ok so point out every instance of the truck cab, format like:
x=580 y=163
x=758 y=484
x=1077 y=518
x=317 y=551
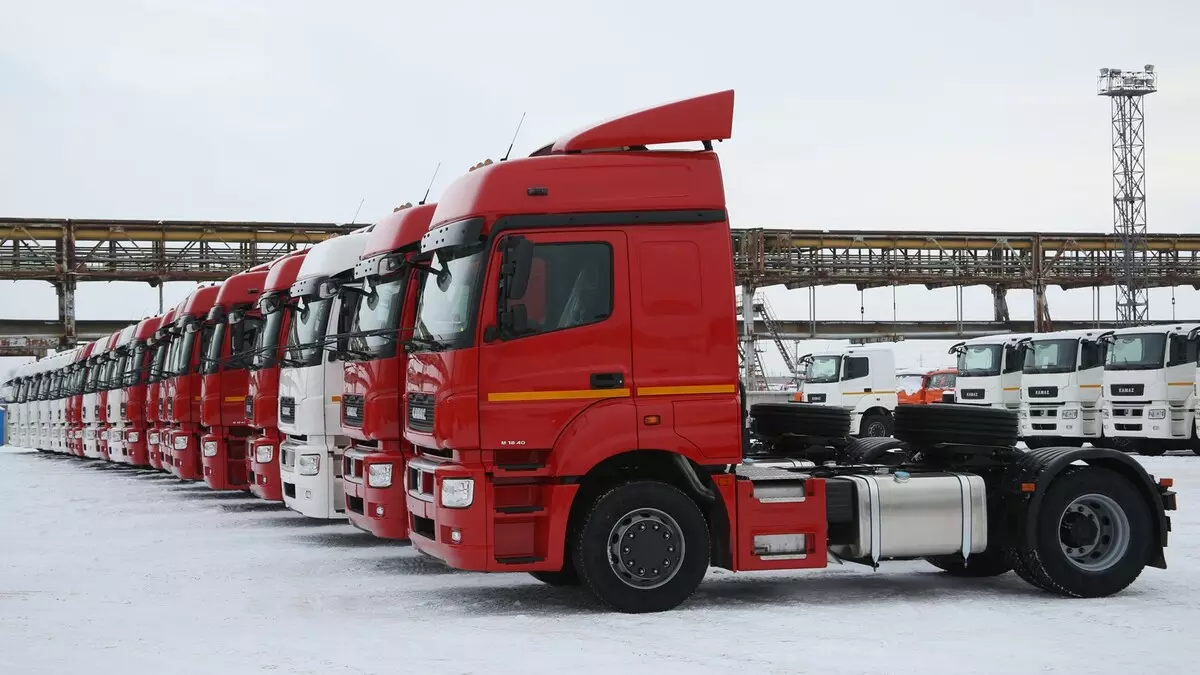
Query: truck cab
x=132 y=409
x=1062 y=388
x=1150 y=387
x=15 y=416
x=181 y=407
x=75 y=399
x=159 y=347
x=105 y=383
x=925 y=387
x=262 y=394
x=114 y=402
x=91 y=398
x=64 y=371
x=310 y=379
x=225 y=380
x=989 y=370
x=861 y=379
x=384 y=296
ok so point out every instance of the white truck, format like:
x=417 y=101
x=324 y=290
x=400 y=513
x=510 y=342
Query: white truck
x=1150 y=387
x=859 y=378
x=1062 y=388
x=90 y=412
x=310 y=381
x=115 y=401
x=989 y=370
x=58 y=406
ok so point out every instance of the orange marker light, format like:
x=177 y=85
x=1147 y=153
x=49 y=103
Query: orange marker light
x=1166 y=482
x=652 y=420
x=1028 y=487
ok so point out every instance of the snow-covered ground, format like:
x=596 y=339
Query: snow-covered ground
x=110 y=570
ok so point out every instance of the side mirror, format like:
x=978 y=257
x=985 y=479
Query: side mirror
x=328 y=289
x=269 y=304
x=236 y=316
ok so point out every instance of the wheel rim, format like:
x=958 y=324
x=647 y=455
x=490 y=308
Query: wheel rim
x=877 y=429
x=645 y=548
x=1093 y=532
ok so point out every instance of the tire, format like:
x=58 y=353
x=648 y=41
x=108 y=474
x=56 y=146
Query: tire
x=886 y=451
x=653 y=504
x=924 y=426
x=564 y=577
x=801 y=419
x=991 y=563
x=1089 y=572
x=875 y=425
x=1150 y=448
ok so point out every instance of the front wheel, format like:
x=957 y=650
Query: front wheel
x=875 y=425
x=643 y=547
x=1092 y=535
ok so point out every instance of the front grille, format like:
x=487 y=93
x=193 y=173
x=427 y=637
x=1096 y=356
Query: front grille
x=287 y=458
x=1043 y=412
x=250 y=407
x=1127 y=389
x=287 y=409
x=1045 y=427
x=1127 y=412
x=420 y=483
x=352 y=468
x=420 y=412
x=352 y=410
x=971 y=394
x=1043 y=392
x=1129 y=427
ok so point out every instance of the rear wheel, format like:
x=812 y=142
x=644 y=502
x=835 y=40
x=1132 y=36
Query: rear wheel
x=1092 y=535
x=643 y=547
x=875 y=425
x=564 y=577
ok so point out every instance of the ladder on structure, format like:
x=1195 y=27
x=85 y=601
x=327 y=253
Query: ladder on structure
x=768 y=316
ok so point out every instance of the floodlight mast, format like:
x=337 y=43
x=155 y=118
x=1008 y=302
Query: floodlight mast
x=1126 y=89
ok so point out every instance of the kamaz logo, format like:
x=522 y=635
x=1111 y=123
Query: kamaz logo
x=1041 y=392
x=1127 y=390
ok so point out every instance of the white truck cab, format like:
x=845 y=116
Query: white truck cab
x=116 y=397
x=15 y=413
x=1062 y=388
x=90 y=413
x=310 y=381
x=859 y=378
x=1150 y=387
x=989 y=370
x=58 y=407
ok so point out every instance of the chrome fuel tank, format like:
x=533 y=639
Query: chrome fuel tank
x=911 y=516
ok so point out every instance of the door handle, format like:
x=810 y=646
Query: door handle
x=607 y=380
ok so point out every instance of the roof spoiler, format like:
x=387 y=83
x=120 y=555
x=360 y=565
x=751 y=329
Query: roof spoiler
x=704 y=118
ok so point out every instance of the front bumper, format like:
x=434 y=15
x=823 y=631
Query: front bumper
x=137 y=451
x=91 y=443
x=184 y=454
x=264 y=476
x=1061 y=421
x=315 y=496
x=225 y=470
x=1134 y=421
x=382 y=511
x=154 y=437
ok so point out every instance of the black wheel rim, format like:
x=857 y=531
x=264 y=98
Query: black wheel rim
x=877 y=429
x=645 y=548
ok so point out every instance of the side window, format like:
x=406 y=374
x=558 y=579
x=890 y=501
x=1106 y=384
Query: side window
x=347 y=309
x=1182 y=351
x=245 y=335
x=570 y=285
x=856 y=367
x=1014 y=358
x=1091 y=354
x=942 y=381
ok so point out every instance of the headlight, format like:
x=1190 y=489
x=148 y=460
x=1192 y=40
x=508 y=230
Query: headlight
x=262 y=454
x=153 y=440
x=379 y=475
x=1157 y=414
x=181 y=442
x=458 y=493
x=308 y=465
x=1070 y=414
x=209 y=448
x=133 y=437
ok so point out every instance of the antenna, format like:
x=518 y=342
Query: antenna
x=435 y=170
x=360 y=203
x=514 y=138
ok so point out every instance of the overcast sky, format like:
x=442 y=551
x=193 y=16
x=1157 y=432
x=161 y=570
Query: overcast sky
x=871 y=115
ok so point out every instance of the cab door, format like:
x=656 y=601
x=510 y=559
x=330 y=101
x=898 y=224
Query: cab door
x=575 y=349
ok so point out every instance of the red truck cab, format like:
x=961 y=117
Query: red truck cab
x=181 y=406
x=234 y=321
x=106 y=381
x=159 y=345
x=133 y=410
x=262 y=397
x=373 y=373
x=79 y=373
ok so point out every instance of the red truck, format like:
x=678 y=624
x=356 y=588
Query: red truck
x=373 y=373
x=234 y=322
x=133 y=410
x=156 y=426
x=79 y=375
x=262 y=396
x=575 y=412
x=105 y=382
x=181 y=388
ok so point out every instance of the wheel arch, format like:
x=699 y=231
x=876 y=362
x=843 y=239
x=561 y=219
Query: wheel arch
x=1042 y=466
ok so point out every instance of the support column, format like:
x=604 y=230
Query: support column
x=1000 y=304
x=748 y=336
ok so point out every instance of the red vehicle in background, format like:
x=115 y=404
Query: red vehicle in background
x=105 y=382
x=133 y=410
x=234 y=322
x=935 y=386
x=79 y=373
x=262 y=397
x=159 y=346
x=373 y=373
x=181 y=404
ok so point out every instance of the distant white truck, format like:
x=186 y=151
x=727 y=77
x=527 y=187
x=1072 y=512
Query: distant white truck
x=859 y=378
x=989 y=370
x=1062 y=388
x=1150 y=387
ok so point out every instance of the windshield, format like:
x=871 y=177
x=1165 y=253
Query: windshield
x=443 y=315
x=158 y=362
x=823 y=369
x=373 y=330
x=211 y=344
x=306 y=335
x=266 y=341
x=133 y=367
x=93 y=374
x=1142 y=351
x=1051 y=356
x=179 y=361
x=979 y=361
